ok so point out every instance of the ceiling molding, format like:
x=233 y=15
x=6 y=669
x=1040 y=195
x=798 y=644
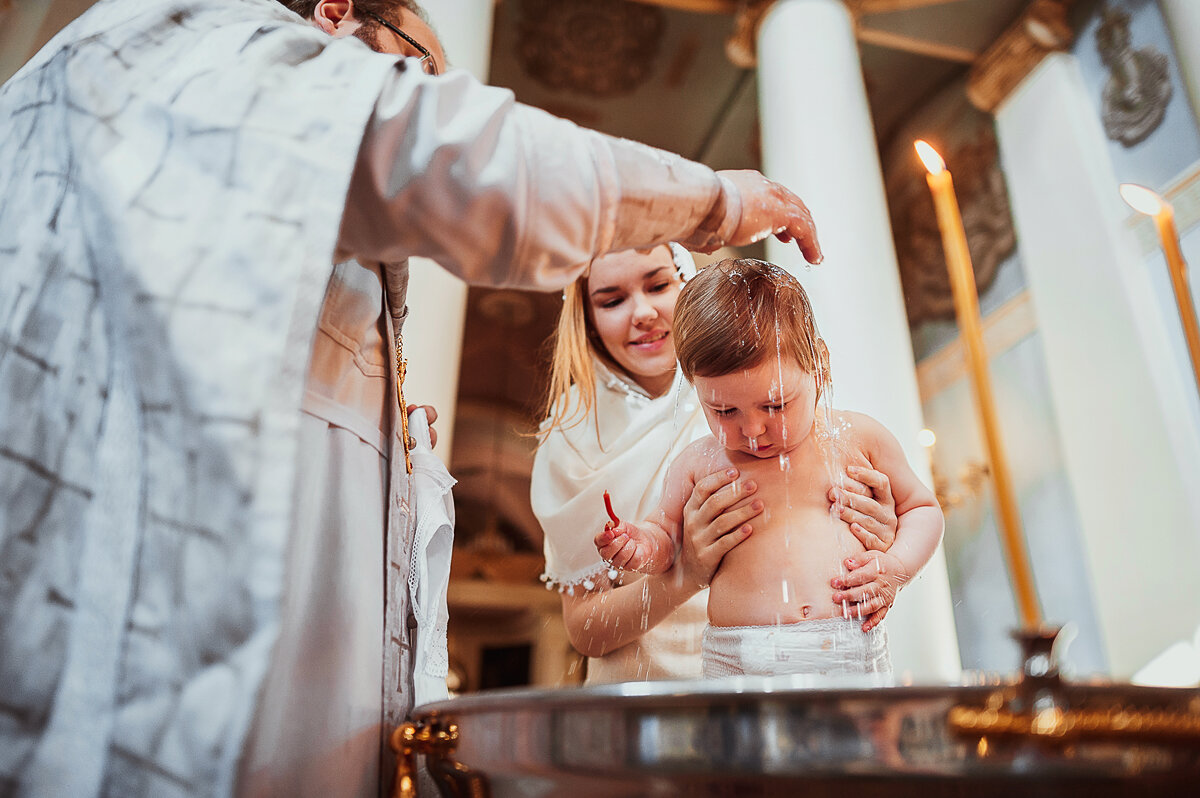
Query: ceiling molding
x=911 y=44
x=868 y=7
x=741 y=48
x=700 y=6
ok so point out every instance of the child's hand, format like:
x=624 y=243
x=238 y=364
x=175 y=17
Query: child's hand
x=626 y=547
x=869 y=588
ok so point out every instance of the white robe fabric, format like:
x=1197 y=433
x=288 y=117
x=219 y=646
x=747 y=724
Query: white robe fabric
x=624 y=447
x=173 y=177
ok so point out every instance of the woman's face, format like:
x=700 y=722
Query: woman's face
x=631 y=300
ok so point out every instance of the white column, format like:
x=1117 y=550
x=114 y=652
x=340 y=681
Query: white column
x=1183 y=18
x=1120 y=399
x=437 y=300
x=818 y=139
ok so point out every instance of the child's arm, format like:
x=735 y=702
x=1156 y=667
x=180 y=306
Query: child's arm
x=650 y=546
x=875 y=577
x=602 y=620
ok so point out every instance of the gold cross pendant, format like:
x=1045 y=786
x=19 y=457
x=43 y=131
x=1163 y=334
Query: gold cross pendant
x=401 y=367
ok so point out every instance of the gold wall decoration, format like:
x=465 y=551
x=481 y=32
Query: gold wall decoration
x=599 y=48
x=1040 y=30
x=1134 y=100
x=986 y=216
x=741 y=48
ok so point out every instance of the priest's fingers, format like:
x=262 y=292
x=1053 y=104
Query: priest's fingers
x=769 y=208
x=430 y=414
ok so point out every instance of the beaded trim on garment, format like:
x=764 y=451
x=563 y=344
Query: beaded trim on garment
x=587 y=581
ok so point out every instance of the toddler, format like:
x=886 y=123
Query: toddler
x=746 y=339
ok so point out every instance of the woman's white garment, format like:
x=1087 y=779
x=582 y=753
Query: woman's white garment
x=624 y=448
x=824 y=647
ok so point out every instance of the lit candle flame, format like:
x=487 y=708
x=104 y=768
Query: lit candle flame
x=1142 y=199
x=929 y=156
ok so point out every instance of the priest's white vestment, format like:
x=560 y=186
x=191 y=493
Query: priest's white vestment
x=175 y=181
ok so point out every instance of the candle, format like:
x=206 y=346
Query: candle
x=1145 y=201
x=966 y=309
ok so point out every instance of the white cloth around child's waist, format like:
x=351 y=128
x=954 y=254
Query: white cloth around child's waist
x=827 y=646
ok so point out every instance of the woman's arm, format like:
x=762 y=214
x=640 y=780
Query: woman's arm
x=715 y=518
x=874 y=577
x=611 y=616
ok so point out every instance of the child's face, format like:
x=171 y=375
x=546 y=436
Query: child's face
x=632 y=302
x=764 y=411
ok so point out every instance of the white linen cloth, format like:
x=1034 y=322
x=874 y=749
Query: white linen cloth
x=821 y=647
x=173 y=177
x=624 y=447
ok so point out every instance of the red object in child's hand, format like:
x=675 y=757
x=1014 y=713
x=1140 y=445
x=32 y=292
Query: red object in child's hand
x=608 y=506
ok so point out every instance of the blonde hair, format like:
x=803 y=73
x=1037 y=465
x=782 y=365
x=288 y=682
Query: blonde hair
x=725 y=315
x=571 y=362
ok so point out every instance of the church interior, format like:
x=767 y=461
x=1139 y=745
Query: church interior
x=1041 y=110
x=1097 y=400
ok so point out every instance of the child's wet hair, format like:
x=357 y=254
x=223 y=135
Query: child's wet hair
x=736 y=313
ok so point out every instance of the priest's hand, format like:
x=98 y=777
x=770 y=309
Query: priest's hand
x=430 y=414
x=767 y=208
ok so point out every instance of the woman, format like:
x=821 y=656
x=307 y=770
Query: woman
x=617 y=413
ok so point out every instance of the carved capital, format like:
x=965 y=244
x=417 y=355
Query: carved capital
x=1040 y=30
x=741 y=48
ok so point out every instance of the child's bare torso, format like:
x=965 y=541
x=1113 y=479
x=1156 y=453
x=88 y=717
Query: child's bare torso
x=782 y=572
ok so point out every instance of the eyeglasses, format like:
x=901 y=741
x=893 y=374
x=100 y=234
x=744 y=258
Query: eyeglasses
x=427 y=63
